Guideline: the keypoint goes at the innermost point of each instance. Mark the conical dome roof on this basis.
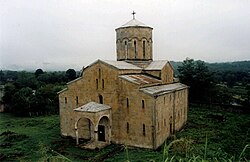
(134, 23)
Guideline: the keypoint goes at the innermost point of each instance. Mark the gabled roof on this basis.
(122, 65)
(92, 107)
(163, 89)
(140, 79)
(156, 65)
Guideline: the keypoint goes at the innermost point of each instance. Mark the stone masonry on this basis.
(132, 101)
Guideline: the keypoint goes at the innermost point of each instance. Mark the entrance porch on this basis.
(93, 123)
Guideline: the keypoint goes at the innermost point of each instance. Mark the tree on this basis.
(38, 72)
(222, 94)
(47, 98)
(26, 79)
(9, 90)
(196, 75)
(70, 74)
(2, 77)
(22, 101)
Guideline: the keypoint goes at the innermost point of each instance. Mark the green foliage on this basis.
(52, 78)
(27, 93)
(70, 74)
(6, 76)
(9, 90)
(38, 72)
(20, 136)
(2, 78)
(243, 66)
(222, 94)
(210, 135)
(220, 83)
(196, 75)
(47, 99)
(26, 79)
(22, 101)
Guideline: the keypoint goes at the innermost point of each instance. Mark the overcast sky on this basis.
(62, 34)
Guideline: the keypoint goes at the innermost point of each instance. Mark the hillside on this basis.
(238, 66)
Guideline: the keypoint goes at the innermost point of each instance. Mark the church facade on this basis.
(132, 101)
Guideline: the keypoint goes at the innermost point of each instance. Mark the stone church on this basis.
(133, 101)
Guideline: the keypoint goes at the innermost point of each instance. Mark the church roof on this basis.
(156, 65)
(163, 89)
(140, 79)
(92, 107)
(122, 65)
(134, 22)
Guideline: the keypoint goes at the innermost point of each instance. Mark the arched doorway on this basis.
(84, 128)
(93, 122)
(104, 131)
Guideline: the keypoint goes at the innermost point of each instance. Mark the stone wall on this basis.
(167, 74)
(171, 114)
(136, 116)
(97, 80)
(137, 119)
(134, 43)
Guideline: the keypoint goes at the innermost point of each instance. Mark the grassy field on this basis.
(210, 134)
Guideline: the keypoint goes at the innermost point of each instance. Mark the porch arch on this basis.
(84, 129)
(93, 122)
(104, 129)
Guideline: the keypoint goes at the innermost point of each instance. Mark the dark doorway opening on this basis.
(101, 133)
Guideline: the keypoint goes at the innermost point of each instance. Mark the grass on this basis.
(210, 135)
(20, 137)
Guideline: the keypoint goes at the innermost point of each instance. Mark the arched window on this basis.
(99, 73)
(144, 49)
(100, 99)
(126, 49)
(127, 127)
(77, 100)
(102, 84)
(143, 104)
(96, 82)
(135, 48)
(127, 103)
(65, 100)
(143, 130)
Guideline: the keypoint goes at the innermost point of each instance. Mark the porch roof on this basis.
(92, 107)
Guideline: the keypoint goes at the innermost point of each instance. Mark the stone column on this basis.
(77, 137)
(96, 133)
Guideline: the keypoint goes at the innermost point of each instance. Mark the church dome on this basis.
(134, 41)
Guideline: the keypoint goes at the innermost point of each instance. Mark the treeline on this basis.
(219, 83)
(33, 93)
(29, 93)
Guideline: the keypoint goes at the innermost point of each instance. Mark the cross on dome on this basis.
(133, 13)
